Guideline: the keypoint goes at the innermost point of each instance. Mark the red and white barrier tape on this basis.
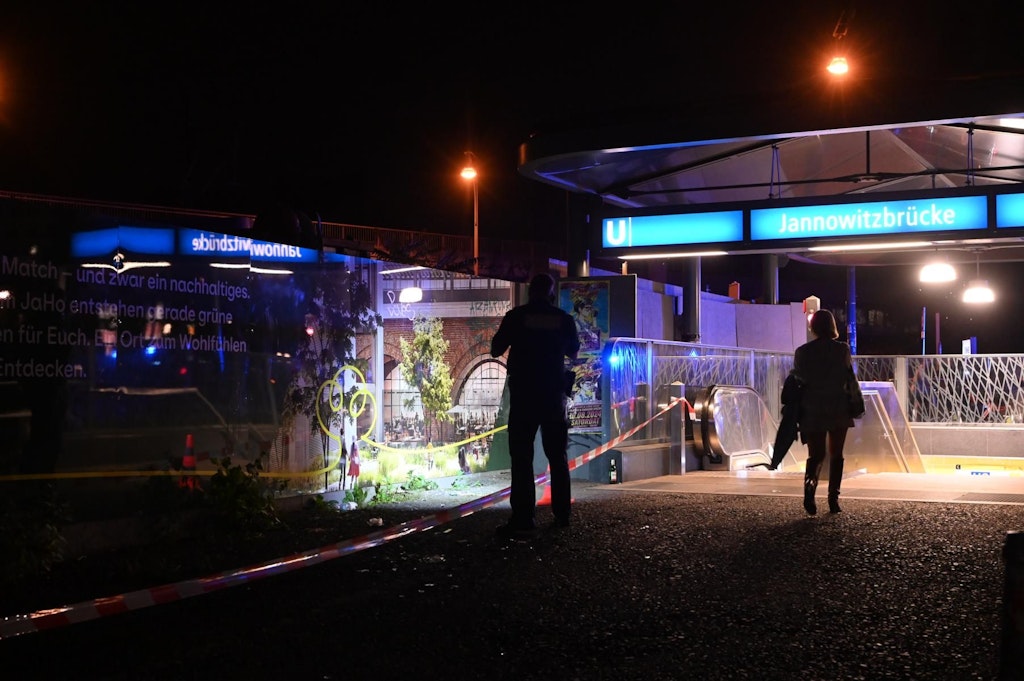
(55, 618)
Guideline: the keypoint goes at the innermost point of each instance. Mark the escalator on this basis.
(734, 430)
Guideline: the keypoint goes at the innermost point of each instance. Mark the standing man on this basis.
(538, 337)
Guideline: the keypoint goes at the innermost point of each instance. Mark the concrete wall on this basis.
(944, 439)
(732, 323)
(655, 313)
(718, 320)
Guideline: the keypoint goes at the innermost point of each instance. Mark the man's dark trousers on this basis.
(526, 414)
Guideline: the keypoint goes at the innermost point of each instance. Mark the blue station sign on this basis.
(1010, 210)
(752, 228)
(880, 218)
(665, 230)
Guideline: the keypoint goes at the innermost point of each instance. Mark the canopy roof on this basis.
(804, 143)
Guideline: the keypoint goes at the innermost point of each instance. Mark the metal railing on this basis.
(955, 389)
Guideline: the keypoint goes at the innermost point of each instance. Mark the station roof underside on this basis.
(869, 138)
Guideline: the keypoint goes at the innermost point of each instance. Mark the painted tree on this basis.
(423, 367)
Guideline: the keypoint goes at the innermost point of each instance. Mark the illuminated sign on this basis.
(138, 240)
(665, 230)
(869, 219)
(206, 243)
(268, 250)
(213, 244)
(1010, 210)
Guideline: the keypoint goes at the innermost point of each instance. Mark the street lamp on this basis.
(469, 175)
(839, 66)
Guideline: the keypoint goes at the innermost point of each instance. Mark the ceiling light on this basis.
(871, 247)
(125, 265)
(937, 272)
(657, 256)
(978, 291)
(410, 294)
(411, 268)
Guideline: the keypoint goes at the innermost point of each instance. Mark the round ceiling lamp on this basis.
(978, 290)
(936, 272)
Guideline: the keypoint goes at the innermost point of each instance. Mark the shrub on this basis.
(240, 498)
(30, 537)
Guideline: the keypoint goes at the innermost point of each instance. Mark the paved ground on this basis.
(719, 583)
(956, 488)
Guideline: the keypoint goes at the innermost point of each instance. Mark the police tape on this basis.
(55, 618)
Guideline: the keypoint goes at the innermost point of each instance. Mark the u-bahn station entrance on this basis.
(139, 341)
(898, 179)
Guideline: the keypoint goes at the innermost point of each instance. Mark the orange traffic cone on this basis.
(188, 463)
(545, 497)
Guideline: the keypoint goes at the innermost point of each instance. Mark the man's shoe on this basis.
(560, 522)
(510, 531)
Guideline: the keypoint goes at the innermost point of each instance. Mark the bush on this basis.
(30, 537)
(357, 496)
(240, 498)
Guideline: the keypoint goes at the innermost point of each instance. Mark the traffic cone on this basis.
(188, 463)
(545, 497)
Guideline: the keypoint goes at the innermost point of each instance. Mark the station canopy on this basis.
(810, 143)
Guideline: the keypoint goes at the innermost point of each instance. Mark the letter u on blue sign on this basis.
(616, 233)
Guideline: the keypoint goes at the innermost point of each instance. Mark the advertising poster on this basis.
(587, 302)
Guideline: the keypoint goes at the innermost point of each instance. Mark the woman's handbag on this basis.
(854, 397)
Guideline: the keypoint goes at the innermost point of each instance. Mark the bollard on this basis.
(1011, 664)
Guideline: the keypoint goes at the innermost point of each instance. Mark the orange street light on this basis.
(469, 174)
(839, 66)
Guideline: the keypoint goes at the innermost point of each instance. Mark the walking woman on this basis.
(823, 365)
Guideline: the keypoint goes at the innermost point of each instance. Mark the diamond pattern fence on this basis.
(931, 388)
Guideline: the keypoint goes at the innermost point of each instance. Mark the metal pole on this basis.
(1013, 607)
(924, 315)
(851, 308)
(476, 229)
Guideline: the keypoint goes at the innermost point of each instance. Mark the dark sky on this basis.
(362, 112)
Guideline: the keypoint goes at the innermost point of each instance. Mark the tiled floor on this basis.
(960, 488)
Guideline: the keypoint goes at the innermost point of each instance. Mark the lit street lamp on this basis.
(469, 175)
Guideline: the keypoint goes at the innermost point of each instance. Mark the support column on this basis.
(851, 308)
(373, 275)
(691, 301)
(578, 224)
(770, 278)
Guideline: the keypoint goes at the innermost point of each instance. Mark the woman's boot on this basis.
(812, 469)
(811, 472)
(810, 486)
(835, 481)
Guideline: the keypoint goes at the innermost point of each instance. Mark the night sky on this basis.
(361, 112)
